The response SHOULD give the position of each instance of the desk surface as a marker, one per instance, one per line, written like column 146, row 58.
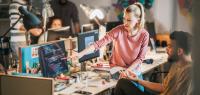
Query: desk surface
column 158, row 59
column 94, row 85
column 98, row 85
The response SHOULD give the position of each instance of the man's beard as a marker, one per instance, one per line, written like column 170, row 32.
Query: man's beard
column 173, row 58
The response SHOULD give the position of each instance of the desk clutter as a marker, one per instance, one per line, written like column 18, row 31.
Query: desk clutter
column 87, row 82
column 92, row 82
column 49, row 61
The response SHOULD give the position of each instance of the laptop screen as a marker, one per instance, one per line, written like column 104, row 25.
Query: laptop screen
column 56, row 35
column 52, row 59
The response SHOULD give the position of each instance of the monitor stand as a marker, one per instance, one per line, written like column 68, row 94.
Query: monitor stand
column 83, row 68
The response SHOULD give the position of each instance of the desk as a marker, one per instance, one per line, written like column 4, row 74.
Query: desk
column 158, row 60
column 95, row 85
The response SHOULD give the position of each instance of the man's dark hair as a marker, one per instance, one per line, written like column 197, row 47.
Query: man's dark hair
column 183, row 40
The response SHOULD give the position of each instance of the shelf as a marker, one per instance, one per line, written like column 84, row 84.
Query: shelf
column 5, row 1
column 4, row 4
column 4, row 11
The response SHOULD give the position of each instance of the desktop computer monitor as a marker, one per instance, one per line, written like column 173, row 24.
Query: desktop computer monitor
column 111, row 25
column 150, row 26
column 84, row 40
column 56, row 35
column 52, row 59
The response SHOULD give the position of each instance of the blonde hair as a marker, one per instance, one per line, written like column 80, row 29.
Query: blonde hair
column 137, row 10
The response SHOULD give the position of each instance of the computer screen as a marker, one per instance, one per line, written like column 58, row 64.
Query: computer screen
column 56, row 35
column 111, row 25
column 52, row 59
column 84, row 40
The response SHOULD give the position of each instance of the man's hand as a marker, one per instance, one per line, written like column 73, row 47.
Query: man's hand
column 122, row 74
column 128, row 74
column 132, row 76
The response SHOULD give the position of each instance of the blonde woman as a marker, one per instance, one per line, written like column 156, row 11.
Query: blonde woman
column 130, row 40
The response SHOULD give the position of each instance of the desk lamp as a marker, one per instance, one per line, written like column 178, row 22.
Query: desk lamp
column 30, row 20
column 92, row 13
column 96, row 14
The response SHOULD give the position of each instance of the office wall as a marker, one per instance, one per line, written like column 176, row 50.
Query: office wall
column 183, row 20
column 105, row 5
column 165, row 14
column 168, row 17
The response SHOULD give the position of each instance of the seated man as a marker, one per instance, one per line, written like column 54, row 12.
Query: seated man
column 178, row 80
